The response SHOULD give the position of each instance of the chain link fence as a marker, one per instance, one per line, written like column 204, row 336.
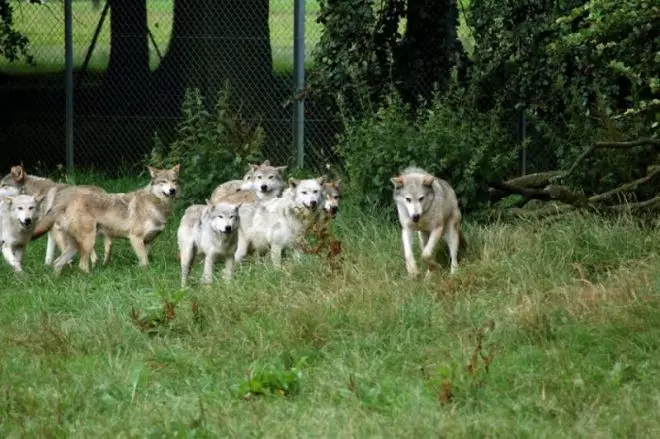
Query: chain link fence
column 133, row 61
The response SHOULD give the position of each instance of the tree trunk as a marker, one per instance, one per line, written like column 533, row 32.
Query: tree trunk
column 429, row 47
column 128, row 67
column 213, row 42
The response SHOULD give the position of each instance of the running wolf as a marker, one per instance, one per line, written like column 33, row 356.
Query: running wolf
column 428, row 205
column 211, row 230
column 265, row 183
column 52, row 193
column 18, row 215
column 278, row 223
column 139, row 216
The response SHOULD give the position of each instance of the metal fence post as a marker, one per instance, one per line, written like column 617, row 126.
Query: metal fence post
column 68, row 49
column 299, row 79
column 523, row 136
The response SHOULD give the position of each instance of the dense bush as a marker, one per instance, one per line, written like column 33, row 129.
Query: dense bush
column 465, row 147
column 211, row 146
column 576, row 67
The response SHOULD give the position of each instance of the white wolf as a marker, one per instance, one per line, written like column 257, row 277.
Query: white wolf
column 261, row 182
column 278, row 223
column 211, row 230
column 428, row 205
column 18, row 216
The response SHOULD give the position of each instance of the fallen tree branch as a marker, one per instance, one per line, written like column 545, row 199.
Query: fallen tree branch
column 559, row 193
column 654, row 170
column 629, row 144
column 650, row 203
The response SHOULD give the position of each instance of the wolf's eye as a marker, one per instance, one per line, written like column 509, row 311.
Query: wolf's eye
column 408, row 199
column 316, row 191
column 270, row 177
column 304, row 192
column 20, row 207
column 421, row 198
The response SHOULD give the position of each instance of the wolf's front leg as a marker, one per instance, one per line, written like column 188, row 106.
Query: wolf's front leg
column 407, row 239
column 276, row 255
column 10, row 256
column 241, row 248
column 229, row 268
column 50, row 249
column 209, row 261
column 428, row 252
column 140, row 249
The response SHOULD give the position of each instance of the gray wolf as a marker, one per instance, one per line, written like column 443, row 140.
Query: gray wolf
column 211, row 230
column 428, row 205
column 279, row 223
column 18, row 216
column 332, row 194
column 266, row 182
column 52, row 193
column 138, row 216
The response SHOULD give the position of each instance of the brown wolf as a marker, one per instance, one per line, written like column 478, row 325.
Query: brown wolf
column 138, row 216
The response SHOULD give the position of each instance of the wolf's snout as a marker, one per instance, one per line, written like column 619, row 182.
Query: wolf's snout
column 227, row 229
column 313, row 204
column 332, row 210
column 27, row 221
column 172, row 191
column 415, row 217
column 264, row 187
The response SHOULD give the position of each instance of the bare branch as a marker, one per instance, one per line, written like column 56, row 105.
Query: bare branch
column 654, row 170
column 629, row 144
column 650, row 203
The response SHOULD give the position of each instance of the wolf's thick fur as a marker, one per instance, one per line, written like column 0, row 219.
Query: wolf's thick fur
column 277, row 224
column 211, row 230
column 428, row 205
column 138, row 216
column 52, row 193
column 266, row 182
column 18, row 216
column 332, row 195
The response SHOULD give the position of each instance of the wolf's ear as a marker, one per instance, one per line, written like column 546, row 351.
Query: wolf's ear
column 428, row 181
column 208, row 202
column 293, row 183
column 280, row 169
column 397, row 182
column 266, row 163
column 18, row 174
column 337, row 182
column 176, row 168
column 8, row 200
column 321, row 180
column 237, row 206
column 39, row 198
column 152, row 171
column 254, row 167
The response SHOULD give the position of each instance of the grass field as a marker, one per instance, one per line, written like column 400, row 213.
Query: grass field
column 568, row 312
column 44, row 26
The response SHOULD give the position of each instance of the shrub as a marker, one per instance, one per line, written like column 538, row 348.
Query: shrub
column 464, row 147
column 212, row 147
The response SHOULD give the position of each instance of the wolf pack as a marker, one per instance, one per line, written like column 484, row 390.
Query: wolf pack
column 262, row 214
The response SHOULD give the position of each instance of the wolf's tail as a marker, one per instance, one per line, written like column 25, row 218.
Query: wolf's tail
column 462, row 242
column 45, row 224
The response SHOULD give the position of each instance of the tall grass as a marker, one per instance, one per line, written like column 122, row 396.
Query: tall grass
column 567, row 313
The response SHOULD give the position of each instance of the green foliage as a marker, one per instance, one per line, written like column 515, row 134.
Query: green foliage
column 362, row 56
column 583, row 71
column 464, row 147
column 13, row 44
column 211, row 146
column 272, row 378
